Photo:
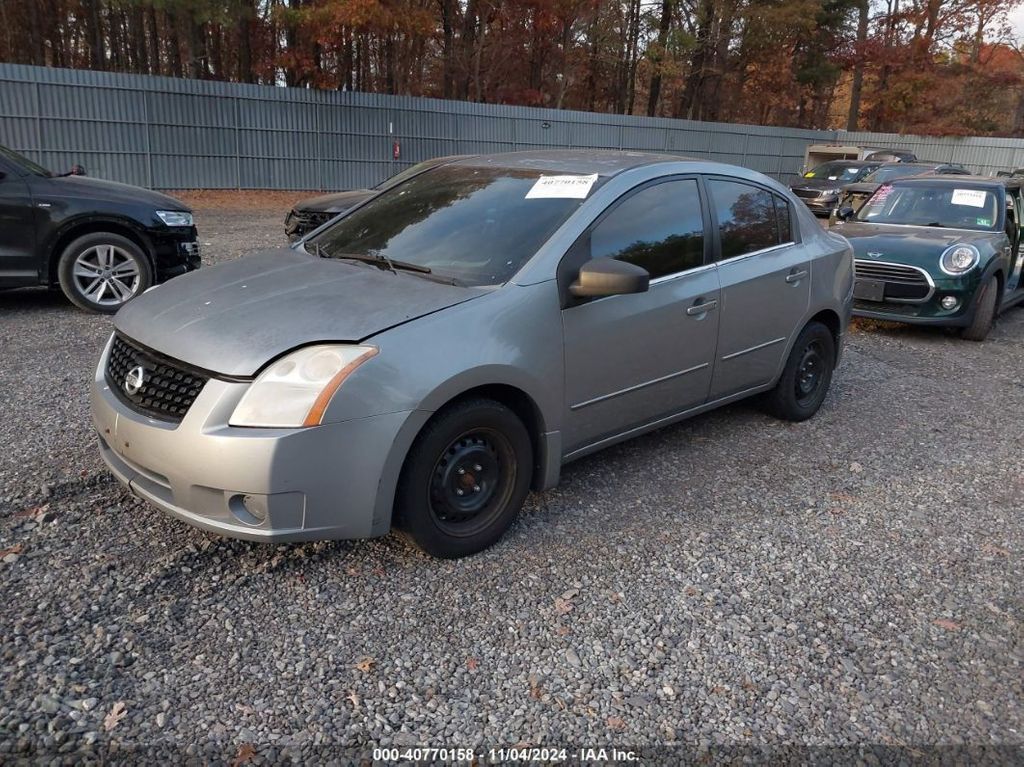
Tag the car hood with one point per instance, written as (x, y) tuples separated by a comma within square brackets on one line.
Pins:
[(916, 245), (111, 191), (235, 317), (816, 183), (862, 187), (338, 202)]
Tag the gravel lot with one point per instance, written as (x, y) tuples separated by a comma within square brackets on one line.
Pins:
[(732, 580)]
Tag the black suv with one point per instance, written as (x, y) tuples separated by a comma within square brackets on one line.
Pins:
[(100, 242)]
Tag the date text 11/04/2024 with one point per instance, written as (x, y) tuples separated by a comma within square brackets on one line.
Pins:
[(503, 755)]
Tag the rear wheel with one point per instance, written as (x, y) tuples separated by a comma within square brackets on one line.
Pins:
[(101, 272), (806, 378), (465, 479), (984, 312)]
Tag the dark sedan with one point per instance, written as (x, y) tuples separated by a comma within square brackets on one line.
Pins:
[(938, 250), (100, 242), (314, 212), (819, 189)]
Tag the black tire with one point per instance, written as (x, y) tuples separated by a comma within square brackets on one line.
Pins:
[(805, 380), (984, 312), (465, 479), (101, 272)]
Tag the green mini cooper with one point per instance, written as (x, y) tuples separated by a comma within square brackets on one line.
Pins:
[(938, 250)]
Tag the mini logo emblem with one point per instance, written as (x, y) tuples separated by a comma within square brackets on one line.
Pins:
[(874, 255), (134, 380)]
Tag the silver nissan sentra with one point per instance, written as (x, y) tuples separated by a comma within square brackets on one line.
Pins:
[(423, 361)]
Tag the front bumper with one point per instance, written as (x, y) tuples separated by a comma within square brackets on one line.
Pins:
[(306, 484), (176, 251), (929, 312)]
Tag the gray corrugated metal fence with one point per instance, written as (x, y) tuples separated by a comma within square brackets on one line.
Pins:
[(189, 134)]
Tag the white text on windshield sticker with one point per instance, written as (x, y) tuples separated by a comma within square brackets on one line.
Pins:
[(974, 198), (563, 187)]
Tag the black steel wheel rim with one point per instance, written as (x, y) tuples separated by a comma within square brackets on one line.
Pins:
[(810, 372), (472, 482)]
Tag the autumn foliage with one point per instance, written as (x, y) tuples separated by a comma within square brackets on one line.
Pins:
[(913, 66)]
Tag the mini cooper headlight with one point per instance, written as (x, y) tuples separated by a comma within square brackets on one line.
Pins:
[(959, 259), (295, 390), (175, 217)]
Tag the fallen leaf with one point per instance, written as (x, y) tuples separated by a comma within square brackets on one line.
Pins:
[(472, 664), (562, 631), (15, 549), (243, 755), (991, 548), (562, 606), (615, 723), (114, 716), (946, 624), (352, 571), (354, 699), (366, 665)]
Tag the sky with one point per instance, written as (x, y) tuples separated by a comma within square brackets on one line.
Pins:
[(1017, 20)]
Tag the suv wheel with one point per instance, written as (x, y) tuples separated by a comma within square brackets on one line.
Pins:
[(807, 376), (101, 272), (465, 479), (984, 312)]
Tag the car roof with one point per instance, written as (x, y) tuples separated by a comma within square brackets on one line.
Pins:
[(603, 162), (920, 164), (953, 180)]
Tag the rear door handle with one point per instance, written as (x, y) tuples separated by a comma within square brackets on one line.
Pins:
[(795, 277), (704, 308)]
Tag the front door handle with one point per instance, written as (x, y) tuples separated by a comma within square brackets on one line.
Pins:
[(703, 308), (795, 276)]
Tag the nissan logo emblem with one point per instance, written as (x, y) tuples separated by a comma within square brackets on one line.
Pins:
[(134, 380)]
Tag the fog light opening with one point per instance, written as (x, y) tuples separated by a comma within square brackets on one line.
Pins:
[(949, 302), (249, 509)]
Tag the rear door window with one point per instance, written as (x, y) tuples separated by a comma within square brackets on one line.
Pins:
[(747, 220)]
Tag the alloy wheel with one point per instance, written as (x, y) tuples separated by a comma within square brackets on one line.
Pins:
[(106, 275)]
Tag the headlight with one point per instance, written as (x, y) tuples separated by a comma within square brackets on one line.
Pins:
[(959, 259), (295, 390), (175, 217)]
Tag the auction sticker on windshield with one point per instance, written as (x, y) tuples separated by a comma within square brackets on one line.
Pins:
[(974, 198), (562, 187)]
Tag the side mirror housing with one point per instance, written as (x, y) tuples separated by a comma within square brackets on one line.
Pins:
[(609, 277), (845, 213), (77, 170)]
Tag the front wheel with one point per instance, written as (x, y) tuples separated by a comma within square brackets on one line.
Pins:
[(807, 376), (984, 312), (465, 479), (101, 272)]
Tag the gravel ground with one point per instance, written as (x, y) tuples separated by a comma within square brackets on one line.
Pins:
[(856, 579)]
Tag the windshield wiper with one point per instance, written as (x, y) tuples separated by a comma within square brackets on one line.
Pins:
[(382, 261)]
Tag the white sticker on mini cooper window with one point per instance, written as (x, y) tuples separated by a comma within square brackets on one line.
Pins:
[(561, 187), (974, 198)]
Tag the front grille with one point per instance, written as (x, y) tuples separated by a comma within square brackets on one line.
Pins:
[(902, 283), (807, 194), (168, 388), (301, 222)]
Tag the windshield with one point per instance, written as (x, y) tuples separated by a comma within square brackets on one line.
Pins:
[(890, 172), (954, 206), (23, 163), (408, 173), (476, 225), (844, 172)]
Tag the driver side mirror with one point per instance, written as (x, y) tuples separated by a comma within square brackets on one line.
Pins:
[(609, 277), (845, 213), (77, 170)]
